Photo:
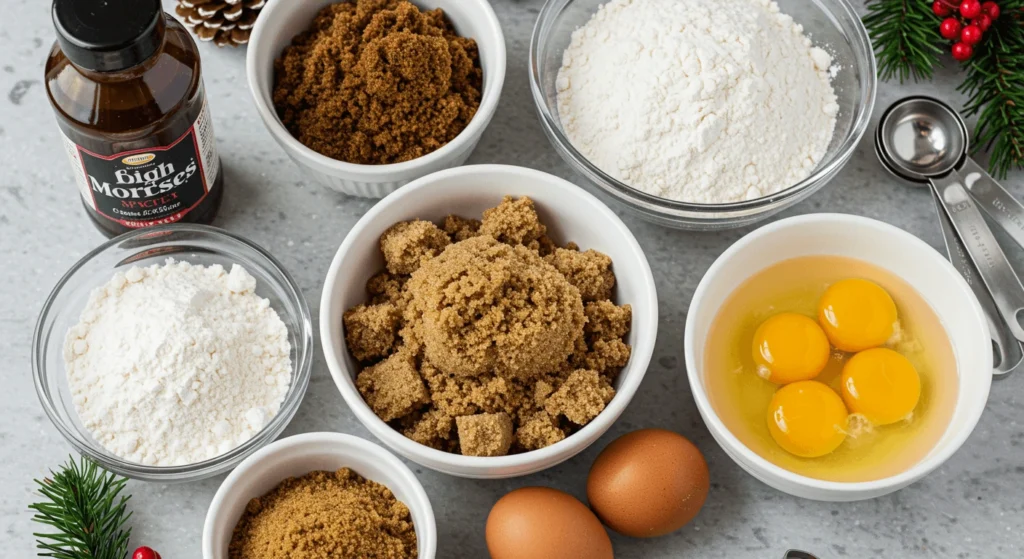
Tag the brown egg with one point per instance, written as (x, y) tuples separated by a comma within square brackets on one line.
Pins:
[(648, 483), (539, 522)]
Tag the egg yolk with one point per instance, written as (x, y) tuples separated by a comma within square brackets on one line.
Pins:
[(881, 385), (857, 314), (807, 418), (789, 347)]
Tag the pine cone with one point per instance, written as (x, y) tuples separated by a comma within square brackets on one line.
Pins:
[(225, 22)]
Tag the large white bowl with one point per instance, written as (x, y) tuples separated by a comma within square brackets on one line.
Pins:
[(887, 247), (298, 455), (281, 21), (571, 214)]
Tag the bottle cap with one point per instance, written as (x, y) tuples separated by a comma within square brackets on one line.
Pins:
[(108, 35)]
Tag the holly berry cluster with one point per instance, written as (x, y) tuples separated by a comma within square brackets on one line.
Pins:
[(965, 23)]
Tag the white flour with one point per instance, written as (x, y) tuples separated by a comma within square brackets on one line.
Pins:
[(175, 364), (697, 101)]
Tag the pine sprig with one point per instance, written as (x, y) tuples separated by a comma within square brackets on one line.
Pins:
[(87, 511), (995, 85), (905, 34)]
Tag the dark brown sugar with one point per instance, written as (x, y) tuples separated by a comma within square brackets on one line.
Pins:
[(325, 515), (377, 82)]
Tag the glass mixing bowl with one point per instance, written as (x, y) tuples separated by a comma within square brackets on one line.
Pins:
[(831, 24), (196, 244)]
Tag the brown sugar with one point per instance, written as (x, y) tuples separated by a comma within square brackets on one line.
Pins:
[(606, 321), (485, 434), (513, 222), (538, 431), (460, 228), (325, 515), (542, 389), (581, 397), (377, 82), (393, 388), (408, 244), (497, 350), (457, 395), (484, 306), (433, 429), (608, 356), (370, 331), (544, 245), (590, 272), (386, 288)]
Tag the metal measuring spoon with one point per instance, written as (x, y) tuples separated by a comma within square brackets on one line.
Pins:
[(922, 141), (943, 137), (1007, 352), (992, 197)]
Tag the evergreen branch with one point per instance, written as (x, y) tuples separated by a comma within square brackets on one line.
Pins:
[(995, 85), (87, 512), (905, 34)]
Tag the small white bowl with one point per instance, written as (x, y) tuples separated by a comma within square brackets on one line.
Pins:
[(887, 247), (298, 455), (571, 214), (280, 22)]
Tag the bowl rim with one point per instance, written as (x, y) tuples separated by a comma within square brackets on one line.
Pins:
[(189, 472), (665, 207), (348, 445), (632, 375), (493, 83), (763, 467)]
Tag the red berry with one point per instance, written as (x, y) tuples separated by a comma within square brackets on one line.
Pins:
[(991, 9), (970, 9), (950, 28), (984, 21), (962, 51), (145, 553), (941, 9), (971, 35)]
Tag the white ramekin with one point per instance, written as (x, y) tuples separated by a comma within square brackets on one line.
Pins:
[(877, 243), (281, 21), (571, 214), (298, 455)]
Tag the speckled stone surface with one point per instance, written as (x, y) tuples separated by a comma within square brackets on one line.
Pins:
[(973, 506)]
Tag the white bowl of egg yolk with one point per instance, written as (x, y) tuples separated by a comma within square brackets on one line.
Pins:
[(837, 358)]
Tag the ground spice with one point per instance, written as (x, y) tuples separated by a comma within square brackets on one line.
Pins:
[(377, 81), (484, 337), (325, 515)]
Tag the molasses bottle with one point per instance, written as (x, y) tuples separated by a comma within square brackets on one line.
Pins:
[(124, 79)]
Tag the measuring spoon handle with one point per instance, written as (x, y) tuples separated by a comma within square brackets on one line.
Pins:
[(994, 199), (1009, 350), (981, 245)]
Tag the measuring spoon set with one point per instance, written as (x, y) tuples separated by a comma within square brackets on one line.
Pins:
[(924, 142)]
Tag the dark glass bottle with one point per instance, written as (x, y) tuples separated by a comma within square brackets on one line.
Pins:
[(124, 79)]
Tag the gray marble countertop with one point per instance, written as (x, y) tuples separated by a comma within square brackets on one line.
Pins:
[(973, 506)]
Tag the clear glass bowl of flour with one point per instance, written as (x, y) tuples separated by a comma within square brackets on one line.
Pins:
[(831, 24), (196, 244)]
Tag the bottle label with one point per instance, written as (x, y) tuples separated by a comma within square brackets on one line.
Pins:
[(150, 186)]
